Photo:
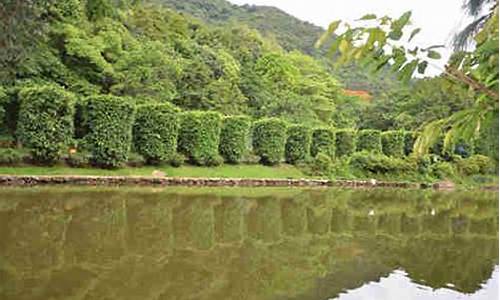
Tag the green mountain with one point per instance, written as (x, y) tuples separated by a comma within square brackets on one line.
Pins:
[(290, 32)]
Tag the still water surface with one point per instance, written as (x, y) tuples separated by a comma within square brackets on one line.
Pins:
[(262, 243)]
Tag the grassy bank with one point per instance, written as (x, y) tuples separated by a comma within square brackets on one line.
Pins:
[(224, 171), (282, 171)]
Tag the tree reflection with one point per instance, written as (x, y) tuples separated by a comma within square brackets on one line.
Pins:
[(314, 244)]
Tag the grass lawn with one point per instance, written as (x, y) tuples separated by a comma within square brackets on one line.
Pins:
[(224, 171)]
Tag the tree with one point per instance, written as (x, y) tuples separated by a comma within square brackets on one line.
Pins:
[(377, 46)]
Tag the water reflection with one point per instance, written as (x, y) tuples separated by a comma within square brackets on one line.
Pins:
[(83, 243)]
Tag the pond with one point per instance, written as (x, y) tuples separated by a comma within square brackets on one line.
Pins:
[(235, 243)]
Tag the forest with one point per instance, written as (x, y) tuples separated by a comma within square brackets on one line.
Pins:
[(111, 83)]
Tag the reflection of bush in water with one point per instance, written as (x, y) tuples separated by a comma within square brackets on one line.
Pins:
[(264, 220), (319, 215), (194, 223), (150, 226), (148, 241), (229, 220), (294, 216)]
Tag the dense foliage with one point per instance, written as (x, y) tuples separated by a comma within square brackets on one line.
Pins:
[(199, 137), (323, 141), (110, 120), (45, 122), (373, 162), (290, 32), (393, 143), (155, 132), (369, 140), (269, 137), (234, 138), (377, 43), (297, 144), (409, 141), (246, 63), (345, 142)]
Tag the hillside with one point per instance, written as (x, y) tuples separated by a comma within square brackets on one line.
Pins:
[(290, 32)]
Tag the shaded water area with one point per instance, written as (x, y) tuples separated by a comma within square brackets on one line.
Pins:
[(234, 243)]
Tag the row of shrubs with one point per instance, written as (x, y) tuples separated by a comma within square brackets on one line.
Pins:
[(161, 133), (431, 164), (109, 127)]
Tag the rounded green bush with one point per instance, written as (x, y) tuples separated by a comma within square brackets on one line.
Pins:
[(10, 157), (79, 160), (476, 164), (45, 123), (369, 140), (268, 140), (199, 136), (177, 160), (345, 142), (155, 132), (323, 141), (136, 160), (373, 162), (297, 144), (393, 143), (110, 121), (444, 170), (322, 164), (409, 141), (214, 161), (234, 138)]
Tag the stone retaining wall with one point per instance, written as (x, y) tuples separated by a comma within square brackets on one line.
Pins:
[(21, 180)]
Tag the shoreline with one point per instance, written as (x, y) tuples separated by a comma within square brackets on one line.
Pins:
[(85, 180)]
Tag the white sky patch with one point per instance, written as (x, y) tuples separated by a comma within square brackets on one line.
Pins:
[(439, 19)]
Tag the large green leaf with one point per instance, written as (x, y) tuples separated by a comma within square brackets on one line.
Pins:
[(407, 71), (401, 22), (369, 17), (414, 33), (344, 46), (433, 54), (327, 34), (395, 35)]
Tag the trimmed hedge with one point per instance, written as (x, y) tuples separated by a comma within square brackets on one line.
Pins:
[(297, 144), (369, 140), (110, 120), (409, 140), (269, 137), (393, 143), (345, 142), (45, 123), (323, 141), (234, 137), (199, 137), (155, 131)]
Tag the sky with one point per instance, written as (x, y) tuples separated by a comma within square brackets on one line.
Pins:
[(439, 19)]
